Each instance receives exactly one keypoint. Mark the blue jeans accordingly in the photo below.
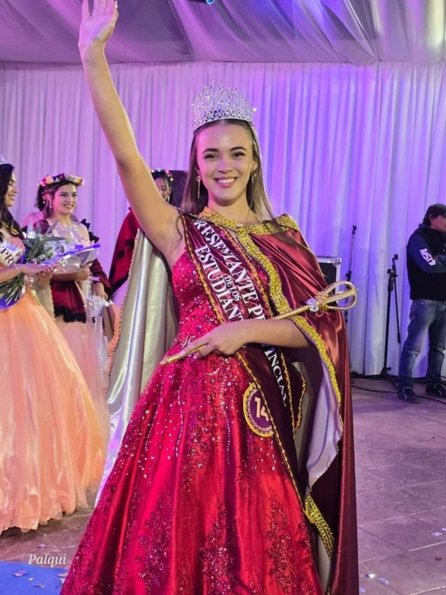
(425, 316)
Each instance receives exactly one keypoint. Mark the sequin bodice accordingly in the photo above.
(196, 316)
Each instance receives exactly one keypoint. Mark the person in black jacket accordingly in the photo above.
(426, 267)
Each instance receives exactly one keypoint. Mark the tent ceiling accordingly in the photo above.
(356, 31)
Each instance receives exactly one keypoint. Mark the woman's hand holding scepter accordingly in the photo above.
(229, 337)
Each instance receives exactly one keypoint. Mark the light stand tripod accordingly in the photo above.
(391, 288)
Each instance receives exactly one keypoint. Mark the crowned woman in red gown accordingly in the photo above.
(235, 474)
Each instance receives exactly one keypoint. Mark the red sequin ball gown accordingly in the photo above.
(196, 502)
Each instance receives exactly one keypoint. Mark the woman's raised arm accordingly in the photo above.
(156, 217)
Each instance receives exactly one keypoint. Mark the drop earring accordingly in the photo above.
(198, 187)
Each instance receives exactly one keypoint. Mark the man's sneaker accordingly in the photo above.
(407, 394)
(437, 390)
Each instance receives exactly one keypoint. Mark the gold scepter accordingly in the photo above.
(322, 301)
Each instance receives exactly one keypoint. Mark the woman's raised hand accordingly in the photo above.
(97, 26)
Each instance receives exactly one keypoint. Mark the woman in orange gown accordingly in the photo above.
(51, 446)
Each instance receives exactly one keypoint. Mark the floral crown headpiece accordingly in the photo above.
(162, 173)
(220, 103)
(50, 180)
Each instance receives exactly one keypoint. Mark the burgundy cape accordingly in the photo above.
(322, 468)
(122, 255)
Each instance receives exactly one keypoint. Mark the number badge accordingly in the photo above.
(255, 412)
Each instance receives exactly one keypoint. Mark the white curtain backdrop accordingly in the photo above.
(342, 144)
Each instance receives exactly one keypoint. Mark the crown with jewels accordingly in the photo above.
(220, 103)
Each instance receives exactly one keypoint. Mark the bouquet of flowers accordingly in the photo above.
(55, 252)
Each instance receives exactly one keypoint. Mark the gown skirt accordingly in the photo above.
(51, 443)
(87, 343)
(197, 503)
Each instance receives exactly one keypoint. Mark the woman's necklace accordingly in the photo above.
(253, 218)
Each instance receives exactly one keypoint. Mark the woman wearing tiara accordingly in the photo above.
(233, 476)
(51, 448)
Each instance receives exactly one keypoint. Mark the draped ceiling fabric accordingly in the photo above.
(350, 113)
(149, 31)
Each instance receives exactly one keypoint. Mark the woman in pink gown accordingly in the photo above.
(51, 449)
(209, 493)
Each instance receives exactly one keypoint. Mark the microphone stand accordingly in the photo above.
(348, 275)
(391, 287)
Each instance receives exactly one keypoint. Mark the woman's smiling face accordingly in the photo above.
(64, 200)
(225, 162)
(11, 192)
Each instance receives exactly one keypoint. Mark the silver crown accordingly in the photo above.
(220, 103)
(3, 160)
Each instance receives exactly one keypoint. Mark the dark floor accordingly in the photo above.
(401, 485)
